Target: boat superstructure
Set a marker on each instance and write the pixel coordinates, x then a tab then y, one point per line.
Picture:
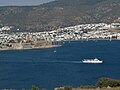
92	61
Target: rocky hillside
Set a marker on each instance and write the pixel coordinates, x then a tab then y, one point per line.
60	13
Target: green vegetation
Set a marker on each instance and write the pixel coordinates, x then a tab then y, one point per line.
67	87
34	88
88	87
102	84
105	82
60	13
117	88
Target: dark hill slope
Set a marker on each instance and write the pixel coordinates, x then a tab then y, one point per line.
60	13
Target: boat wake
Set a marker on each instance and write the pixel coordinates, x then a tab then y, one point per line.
61	62
33	61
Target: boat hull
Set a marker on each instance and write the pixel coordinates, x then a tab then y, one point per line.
90	62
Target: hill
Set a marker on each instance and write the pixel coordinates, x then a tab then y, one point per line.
60	13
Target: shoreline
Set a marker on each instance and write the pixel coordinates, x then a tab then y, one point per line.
41	47
91	40
53	46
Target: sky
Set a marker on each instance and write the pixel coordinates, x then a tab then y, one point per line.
22	2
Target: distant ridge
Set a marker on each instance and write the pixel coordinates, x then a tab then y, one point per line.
60	13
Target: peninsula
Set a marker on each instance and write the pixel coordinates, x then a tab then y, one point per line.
27	27
10	40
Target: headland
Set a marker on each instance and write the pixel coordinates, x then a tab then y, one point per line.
10	40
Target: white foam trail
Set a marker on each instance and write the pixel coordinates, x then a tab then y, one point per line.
61	62
74	62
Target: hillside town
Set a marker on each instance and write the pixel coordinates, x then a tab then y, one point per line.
28	40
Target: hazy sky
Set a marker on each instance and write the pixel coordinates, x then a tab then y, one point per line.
22	2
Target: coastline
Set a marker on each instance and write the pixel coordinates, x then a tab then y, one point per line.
52	46
92	40
41	47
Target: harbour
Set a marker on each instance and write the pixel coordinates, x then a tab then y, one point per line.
48	69
60	45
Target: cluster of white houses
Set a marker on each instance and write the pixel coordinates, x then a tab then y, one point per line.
85	32
78	32
5	28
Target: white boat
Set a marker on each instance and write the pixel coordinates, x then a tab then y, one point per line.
92	61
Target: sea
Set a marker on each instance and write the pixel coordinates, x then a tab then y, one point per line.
59	66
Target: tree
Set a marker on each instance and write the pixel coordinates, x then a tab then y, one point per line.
105	82
67	87
34	87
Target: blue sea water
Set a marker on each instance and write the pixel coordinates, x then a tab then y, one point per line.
48	69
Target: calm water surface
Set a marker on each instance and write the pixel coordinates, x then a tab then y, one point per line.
47	69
